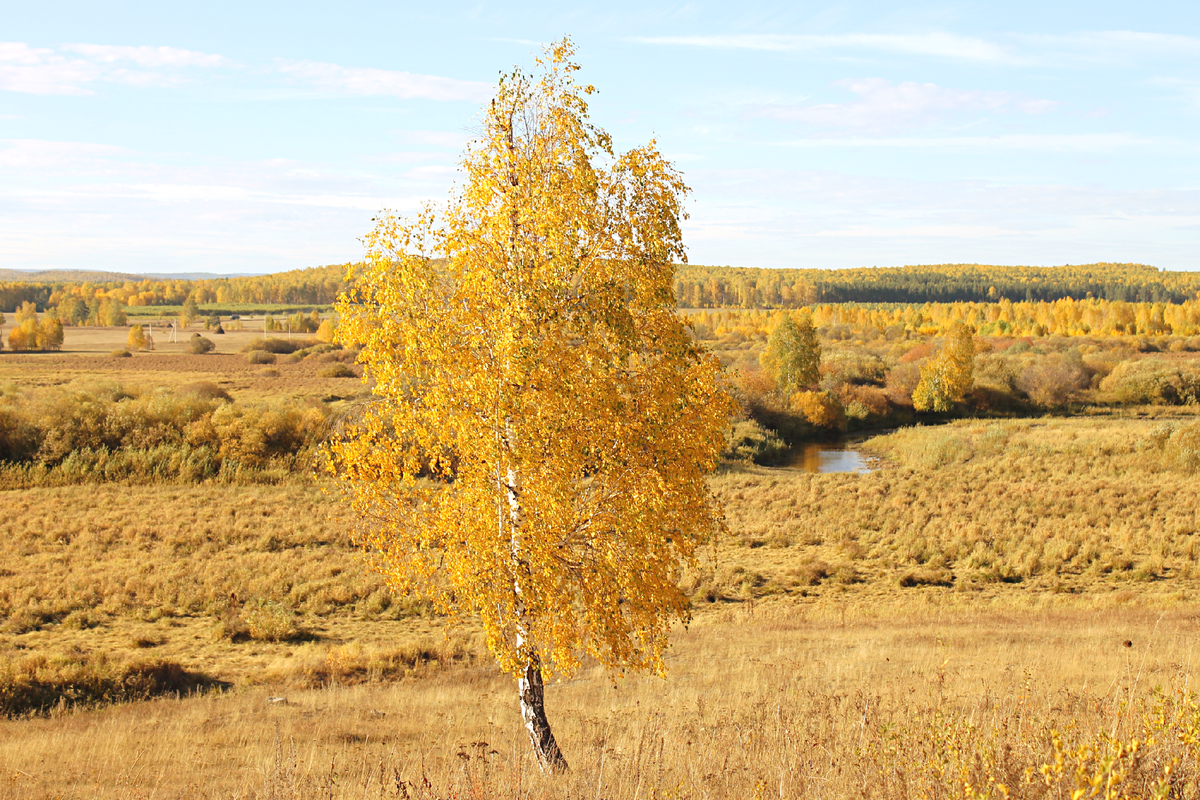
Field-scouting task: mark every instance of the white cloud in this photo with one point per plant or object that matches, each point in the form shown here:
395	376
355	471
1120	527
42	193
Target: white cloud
147	56
1084	47
41	154
943	45
37	70
1046	142
370	81
44	71
1108	44
883	104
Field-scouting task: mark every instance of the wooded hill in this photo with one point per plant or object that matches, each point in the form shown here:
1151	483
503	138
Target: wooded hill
695	286
741	287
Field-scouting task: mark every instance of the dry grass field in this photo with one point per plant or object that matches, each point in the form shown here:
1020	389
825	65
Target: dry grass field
929	629
86	357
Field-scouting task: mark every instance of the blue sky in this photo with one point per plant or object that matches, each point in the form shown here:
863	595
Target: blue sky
256	136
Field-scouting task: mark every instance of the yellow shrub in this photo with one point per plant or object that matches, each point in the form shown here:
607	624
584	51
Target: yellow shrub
821	409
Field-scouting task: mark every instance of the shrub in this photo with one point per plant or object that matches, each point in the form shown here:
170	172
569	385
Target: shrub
36	684
337	371
901	383
271	622
846	366
199	345
205	390
1151	381
260	357
821	409
273	345
1053	381
862	402
749	441
121	354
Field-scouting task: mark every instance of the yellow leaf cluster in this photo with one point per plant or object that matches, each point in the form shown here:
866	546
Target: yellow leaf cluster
543	422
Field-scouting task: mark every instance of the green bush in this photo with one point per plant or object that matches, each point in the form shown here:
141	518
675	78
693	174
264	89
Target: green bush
749	441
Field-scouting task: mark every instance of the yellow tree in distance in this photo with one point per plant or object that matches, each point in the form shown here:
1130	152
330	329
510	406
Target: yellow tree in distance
946	377
536	452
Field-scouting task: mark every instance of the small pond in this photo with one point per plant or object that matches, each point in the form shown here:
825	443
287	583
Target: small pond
839	455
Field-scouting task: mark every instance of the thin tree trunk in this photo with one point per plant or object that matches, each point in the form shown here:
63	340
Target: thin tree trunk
533	712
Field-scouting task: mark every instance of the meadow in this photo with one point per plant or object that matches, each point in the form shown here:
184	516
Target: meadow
1003	607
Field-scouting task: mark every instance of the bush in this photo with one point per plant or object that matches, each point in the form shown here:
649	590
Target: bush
271	622
749	441
901	383
337	371
205	390
1151	381
36	684
260	357
1053	381
821	409
277	346
199	345
121	354
845	366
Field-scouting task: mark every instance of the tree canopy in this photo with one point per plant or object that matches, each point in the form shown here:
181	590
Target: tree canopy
543	425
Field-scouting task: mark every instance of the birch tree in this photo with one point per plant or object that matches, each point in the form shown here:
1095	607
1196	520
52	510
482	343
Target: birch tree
793	354
536	452
946	377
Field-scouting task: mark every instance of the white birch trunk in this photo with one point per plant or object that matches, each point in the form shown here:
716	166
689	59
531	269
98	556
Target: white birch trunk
530	688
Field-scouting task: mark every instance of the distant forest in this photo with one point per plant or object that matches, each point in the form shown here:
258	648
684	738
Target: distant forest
695	286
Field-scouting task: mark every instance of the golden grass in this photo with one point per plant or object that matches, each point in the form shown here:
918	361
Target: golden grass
919	631
1003	512
865	699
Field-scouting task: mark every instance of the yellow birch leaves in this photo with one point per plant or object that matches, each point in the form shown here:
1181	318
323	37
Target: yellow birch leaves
542	423
946	377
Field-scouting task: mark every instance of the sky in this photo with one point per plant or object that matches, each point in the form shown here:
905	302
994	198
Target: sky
254	137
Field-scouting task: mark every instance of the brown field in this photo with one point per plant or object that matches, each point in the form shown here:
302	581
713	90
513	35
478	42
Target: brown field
86	357
919	631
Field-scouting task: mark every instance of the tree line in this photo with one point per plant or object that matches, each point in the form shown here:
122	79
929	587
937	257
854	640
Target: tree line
311	286
743	287
695	286
1063	317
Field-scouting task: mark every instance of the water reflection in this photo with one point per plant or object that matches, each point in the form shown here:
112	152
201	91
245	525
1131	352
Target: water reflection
828	457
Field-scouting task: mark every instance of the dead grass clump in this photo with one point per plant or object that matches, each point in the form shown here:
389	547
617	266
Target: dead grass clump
337	371
205	390
926	577
275	346
260	357
36	684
